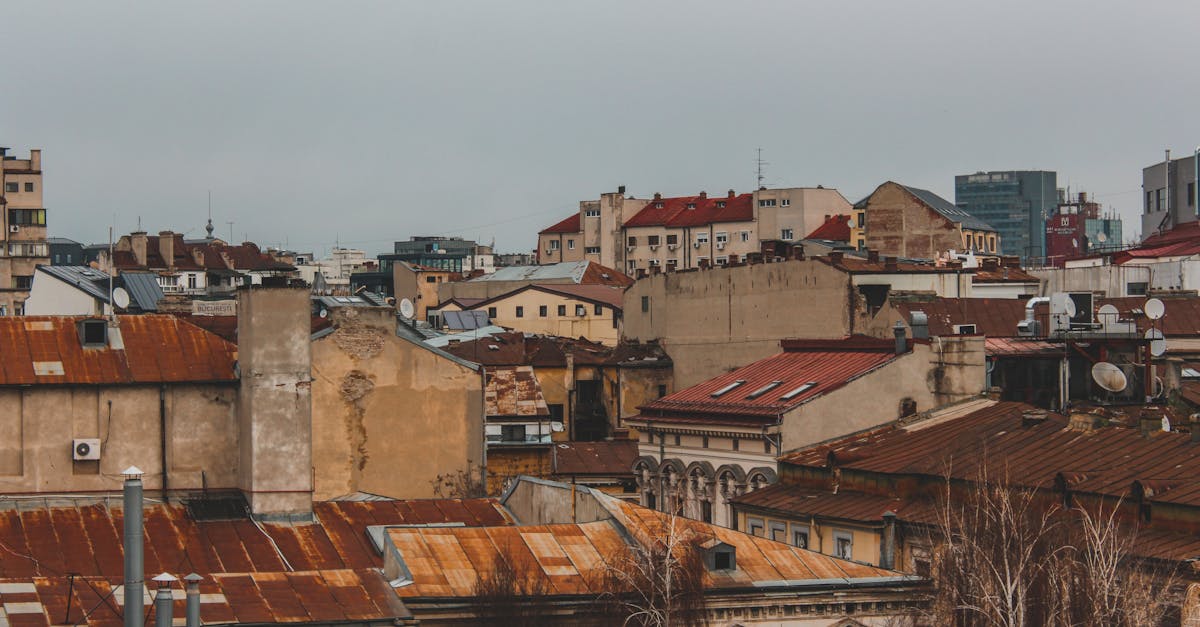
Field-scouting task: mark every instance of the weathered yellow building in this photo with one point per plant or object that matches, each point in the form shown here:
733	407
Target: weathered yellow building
578	311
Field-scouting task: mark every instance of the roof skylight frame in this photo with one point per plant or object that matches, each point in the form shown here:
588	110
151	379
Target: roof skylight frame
764	389
727	388
798	391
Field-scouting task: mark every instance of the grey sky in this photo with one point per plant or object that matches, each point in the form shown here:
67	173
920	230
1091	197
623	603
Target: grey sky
370	122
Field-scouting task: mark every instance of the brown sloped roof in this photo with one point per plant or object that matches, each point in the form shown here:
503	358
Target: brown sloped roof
610	458
514	391
1107	460
48	350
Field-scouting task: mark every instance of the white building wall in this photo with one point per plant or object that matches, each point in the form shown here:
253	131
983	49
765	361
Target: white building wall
51	297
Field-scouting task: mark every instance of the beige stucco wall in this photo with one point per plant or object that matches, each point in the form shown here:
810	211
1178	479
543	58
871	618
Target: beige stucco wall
38	425
593	326
931	375
711	322
806	210
389	416
19	171
415	285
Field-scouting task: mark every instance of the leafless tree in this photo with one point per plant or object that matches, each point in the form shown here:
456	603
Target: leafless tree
460	484
1015	556
658	581
512	594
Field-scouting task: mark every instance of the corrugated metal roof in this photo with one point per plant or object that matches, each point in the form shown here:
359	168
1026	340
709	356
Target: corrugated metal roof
1010	347
465	320
144	290
1106	460
612	458
446	562
157	349
514	391
579	272
771	386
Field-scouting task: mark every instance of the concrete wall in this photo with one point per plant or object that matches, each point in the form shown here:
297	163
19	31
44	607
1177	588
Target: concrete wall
52	297
1105	280
274	408
549	503
596	327
943	371
711	322
899	225
389	416
38	425
805	210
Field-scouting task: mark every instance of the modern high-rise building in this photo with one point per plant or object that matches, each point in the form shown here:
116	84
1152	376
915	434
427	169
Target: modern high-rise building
1014	202
24	244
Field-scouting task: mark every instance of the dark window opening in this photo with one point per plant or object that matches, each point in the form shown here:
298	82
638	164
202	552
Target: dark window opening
599	310
512	433
520	311
662	391
542	310
562	310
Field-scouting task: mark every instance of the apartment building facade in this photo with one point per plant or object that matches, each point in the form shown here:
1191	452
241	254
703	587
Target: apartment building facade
1015	202
24	232
637	235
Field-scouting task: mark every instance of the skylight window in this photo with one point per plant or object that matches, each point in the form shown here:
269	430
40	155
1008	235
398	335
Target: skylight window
798	391
764	389
729	387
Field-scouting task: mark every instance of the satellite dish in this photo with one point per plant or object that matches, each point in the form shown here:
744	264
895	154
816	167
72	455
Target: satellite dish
1074	243
1101	237
120	298
1069	306
1108	313
324	313
850	223
406	308
1158	344
1109	377
1154	309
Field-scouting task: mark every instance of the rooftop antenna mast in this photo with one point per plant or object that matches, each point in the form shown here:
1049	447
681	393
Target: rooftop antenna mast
760	164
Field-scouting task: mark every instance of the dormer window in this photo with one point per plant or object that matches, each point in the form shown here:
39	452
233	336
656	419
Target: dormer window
719	555
93	333
691	205
720	204
658	205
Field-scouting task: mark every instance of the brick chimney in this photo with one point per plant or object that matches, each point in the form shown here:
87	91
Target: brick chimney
889	263
166	247
657	196
873	256
137	245
703	194
731	194
35	159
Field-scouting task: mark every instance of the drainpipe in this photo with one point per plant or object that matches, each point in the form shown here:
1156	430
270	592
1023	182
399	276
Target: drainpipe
133	589
193	599
163	612
162	439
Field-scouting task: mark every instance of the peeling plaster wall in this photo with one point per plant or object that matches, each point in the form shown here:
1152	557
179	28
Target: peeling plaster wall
899	225
389	416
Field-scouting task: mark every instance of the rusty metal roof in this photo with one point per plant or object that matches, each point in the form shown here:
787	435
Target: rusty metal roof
514	392
1012	347
276	573
1105	460
447	561
610	458
771	386
48	350
301	597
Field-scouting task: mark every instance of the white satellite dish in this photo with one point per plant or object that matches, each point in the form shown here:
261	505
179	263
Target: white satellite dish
1158	344
1101	237
1108	313
1069	306
406	308
324	313
1074	243
850	223
1154	309
1109	377
120	298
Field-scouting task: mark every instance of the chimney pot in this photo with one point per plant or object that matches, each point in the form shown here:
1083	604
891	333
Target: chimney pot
703	194
731	193
621	190
657	196
901	337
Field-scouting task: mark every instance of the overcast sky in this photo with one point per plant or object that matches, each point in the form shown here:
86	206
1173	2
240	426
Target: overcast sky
369	122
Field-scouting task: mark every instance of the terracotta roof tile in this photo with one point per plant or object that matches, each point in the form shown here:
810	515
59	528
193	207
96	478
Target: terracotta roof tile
569	225
694	211
836	228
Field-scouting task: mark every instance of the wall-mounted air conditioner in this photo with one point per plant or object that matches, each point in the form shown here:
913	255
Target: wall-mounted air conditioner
672	246
720	245
85	449
695	244
654	247
14	229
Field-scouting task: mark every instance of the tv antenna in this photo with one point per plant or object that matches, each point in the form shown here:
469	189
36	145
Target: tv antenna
760	163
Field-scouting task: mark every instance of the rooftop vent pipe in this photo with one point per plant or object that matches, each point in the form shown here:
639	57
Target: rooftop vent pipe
134	582
901	340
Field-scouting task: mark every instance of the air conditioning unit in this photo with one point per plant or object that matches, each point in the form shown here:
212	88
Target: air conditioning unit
654	247
695	244
720	245
85	449
672	246
14	229
629	249
549	251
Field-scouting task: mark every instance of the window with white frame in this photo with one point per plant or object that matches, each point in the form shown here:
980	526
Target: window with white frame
654	262
785	202
570	244
745	236
631	265
766	202
592	250
785	234
722	237
702	237
843	545
800	538
591	213
553	244
720	261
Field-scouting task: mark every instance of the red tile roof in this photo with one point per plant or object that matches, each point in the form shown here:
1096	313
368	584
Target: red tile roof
570	225
212	256
157	349
827	364
612	458
675	212
836	228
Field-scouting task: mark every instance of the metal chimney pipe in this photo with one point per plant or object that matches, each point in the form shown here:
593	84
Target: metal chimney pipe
164	613
901	341
193	599
134	582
